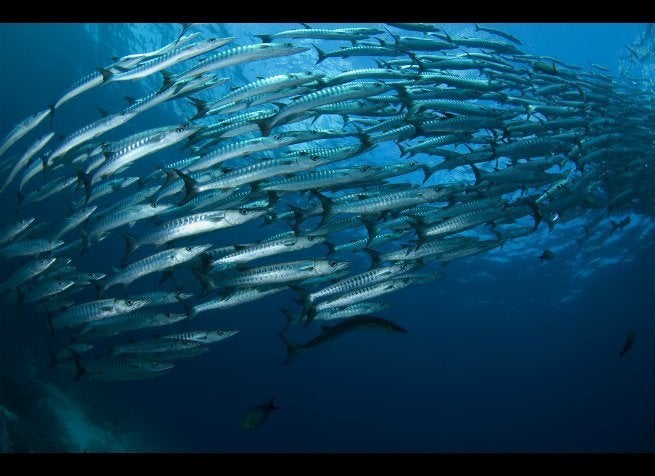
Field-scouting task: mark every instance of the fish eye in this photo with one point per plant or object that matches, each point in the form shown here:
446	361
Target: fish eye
243	212
333	263
169	314
153	205
212	40
188	248
311	238
129	302
308	73
366	168
123	113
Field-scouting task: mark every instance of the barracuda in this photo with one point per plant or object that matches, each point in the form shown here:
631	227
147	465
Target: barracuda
284	272
96	310
21	129
166	60
192	225
23	160
242	54
152	264
327	95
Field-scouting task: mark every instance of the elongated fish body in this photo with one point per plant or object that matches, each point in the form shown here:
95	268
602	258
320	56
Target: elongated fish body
159	298
30	247
171	58
49	189
26	272
9	232
84	84
130	214
365	293
120	368
255	173
107	187
234	150
357	281
152	264
323	96
271	84
74	220
128	61
22	128
44	289
284	272
357	309
234	298
159	344
370	73
24	159
242	54
390	201
314	34
96	310
32	169
330	333
202	337
196	224
269	248
88	132
462	222
357	51
170	355
376	240
132	150
327	178
113	325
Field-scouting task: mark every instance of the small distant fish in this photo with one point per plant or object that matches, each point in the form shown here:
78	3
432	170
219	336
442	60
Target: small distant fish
629	342
258	415
547	255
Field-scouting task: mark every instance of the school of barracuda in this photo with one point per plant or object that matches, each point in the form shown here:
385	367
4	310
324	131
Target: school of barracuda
544	142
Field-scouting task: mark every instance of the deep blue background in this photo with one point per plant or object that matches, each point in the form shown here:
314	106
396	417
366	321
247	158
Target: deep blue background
501	355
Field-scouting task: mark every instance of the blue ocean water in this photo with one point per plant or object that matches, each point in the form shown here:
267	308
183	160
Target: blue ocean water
505	354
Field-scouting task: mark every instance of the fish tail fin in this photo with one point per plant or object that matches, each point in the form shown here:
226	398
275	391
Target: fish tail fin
536	212
427	172
330	247
188	307
291	318
304	296
53	108
200	105
265	127
321	54
130	244
293	349
265	38
206	282
190	185
85	180
326	203
477	172
376	257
